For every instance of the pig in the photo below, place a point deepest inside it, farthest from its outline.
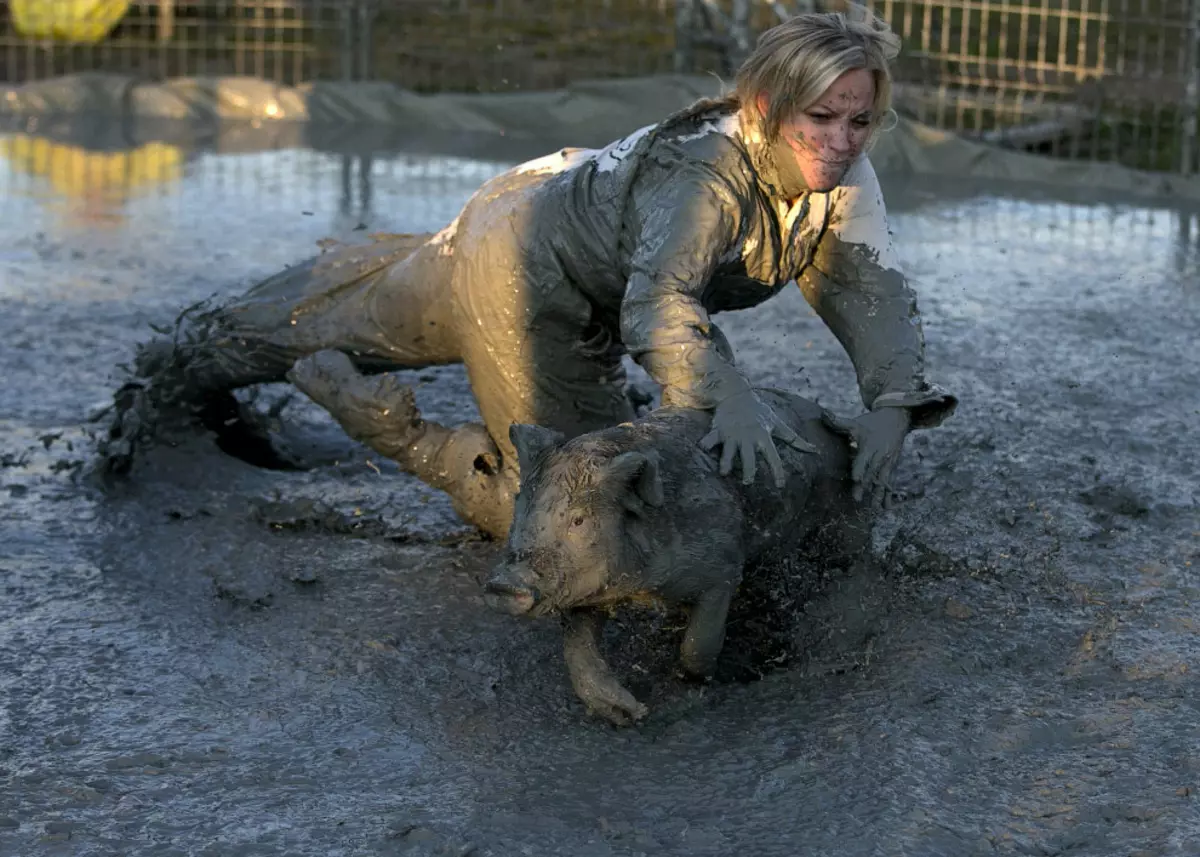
(639, 511)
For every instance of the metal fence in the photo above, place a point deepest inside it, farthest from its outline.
(1112, 80)
(1102, 79)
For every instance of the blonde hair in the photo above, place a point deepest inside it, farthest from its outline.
(796, 61)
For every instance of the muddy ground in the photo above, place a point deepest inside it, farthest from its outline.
(215, 658)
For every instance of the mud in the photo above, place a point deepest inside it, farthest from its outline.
(217, 658)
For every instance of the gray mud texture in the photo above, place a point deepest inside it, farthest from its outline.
(217, 658)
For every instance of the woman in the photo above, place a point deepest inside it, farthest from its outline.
(558, 267)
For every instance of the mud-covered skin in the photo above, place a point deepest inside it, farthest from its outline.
(382, 414)
(640, 512)
(556, 269)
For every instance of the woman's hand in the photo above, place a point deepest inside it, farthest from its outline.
(877, 438)
(744, 424)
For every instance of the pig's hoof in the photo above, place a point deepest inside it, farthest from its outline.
(625, 716)
(697, 669)
(616, 705)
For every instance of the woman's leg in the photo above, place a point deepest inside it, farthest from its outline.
(383, 304)
(534, 353)
(381, 413)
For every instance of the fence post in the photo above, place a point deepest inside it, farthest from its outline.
(1191, 98)
(739, 32)
(685, 28)
(367, 10)
(349, 56)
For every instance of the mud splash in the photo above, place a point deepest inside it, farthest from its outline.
(215, 658)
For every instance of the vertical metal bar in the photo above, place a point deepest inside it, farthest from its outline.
(1062, 65)
(986, 82)
(949, 93)
(281, 32)
(10, 71)
(1142, 21)
(1042, 56)
(1081, 56)
(1191, 98)
(1096, 108)
(260, 39)
(238, 46)
(962, 86)
(1152, 162)
(366, 46)
(685, 23)
(308, 26)
(739, 31)
(927, 13)
(166, 20)
(347, 52)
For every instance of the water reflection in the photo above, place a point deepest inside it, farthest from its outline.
(84, 179)
(356, 207)
(1152, 236)
(1187, 248)
(89, 188)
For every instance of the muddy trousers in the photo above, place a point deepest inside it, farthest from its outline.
(332, 324)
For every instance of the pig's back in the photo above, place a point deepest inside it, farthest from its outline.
(818, 486)
(769, 519)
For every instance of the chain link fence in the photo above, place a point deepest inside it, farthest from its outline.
(1109, 80)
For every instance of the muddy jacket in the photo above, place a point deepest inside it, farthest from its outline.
(683, 219)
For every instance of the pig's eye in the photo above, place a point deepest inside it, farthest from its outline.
(578, 521)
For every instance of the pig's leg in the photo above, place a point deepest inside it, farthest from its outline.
(705, 634)
(381, 413)
(591, 677)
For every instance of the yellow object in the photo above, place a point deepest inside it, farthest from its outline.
(76, 172)
(92, 187)
(78, 21)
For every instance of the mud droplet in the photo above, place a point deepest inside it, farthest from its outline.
(958, 610)
(303, 574)
(137, 760)
(61, 828)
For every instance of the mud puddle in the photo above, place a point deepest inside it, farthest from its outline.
(220, 659)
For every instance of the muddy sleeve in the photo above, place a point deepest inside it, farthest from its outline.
(856, 285)
(681, 226)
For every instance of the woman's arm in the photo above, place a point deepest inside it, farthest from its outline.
(857, 287)
(682, 225)
(681, 228)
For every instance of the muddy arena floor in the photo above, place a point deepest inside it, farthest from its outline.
(218, 658)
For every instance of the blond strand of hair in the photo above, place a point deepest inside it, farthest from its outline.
(795, 61)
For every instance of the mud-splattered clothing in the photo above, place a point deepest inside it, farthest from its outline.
(665, 228)
(551, 273)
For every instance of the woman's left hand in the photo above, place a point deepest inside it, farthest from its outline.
(877, 438)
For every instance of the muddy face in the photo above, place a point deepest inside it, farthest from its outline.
(568, 536)
(821, 142)
(558, 555)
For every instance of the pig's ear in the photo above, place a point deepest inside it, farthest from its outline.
(636, 476)
(531, 441)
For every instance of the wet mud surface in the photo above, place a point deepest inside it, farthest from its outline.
(217, 658)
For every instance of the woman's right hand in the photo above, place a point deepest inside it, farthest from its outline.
(744, 424)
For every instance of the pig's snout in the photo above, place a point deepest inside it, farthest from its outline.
(507, 596)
